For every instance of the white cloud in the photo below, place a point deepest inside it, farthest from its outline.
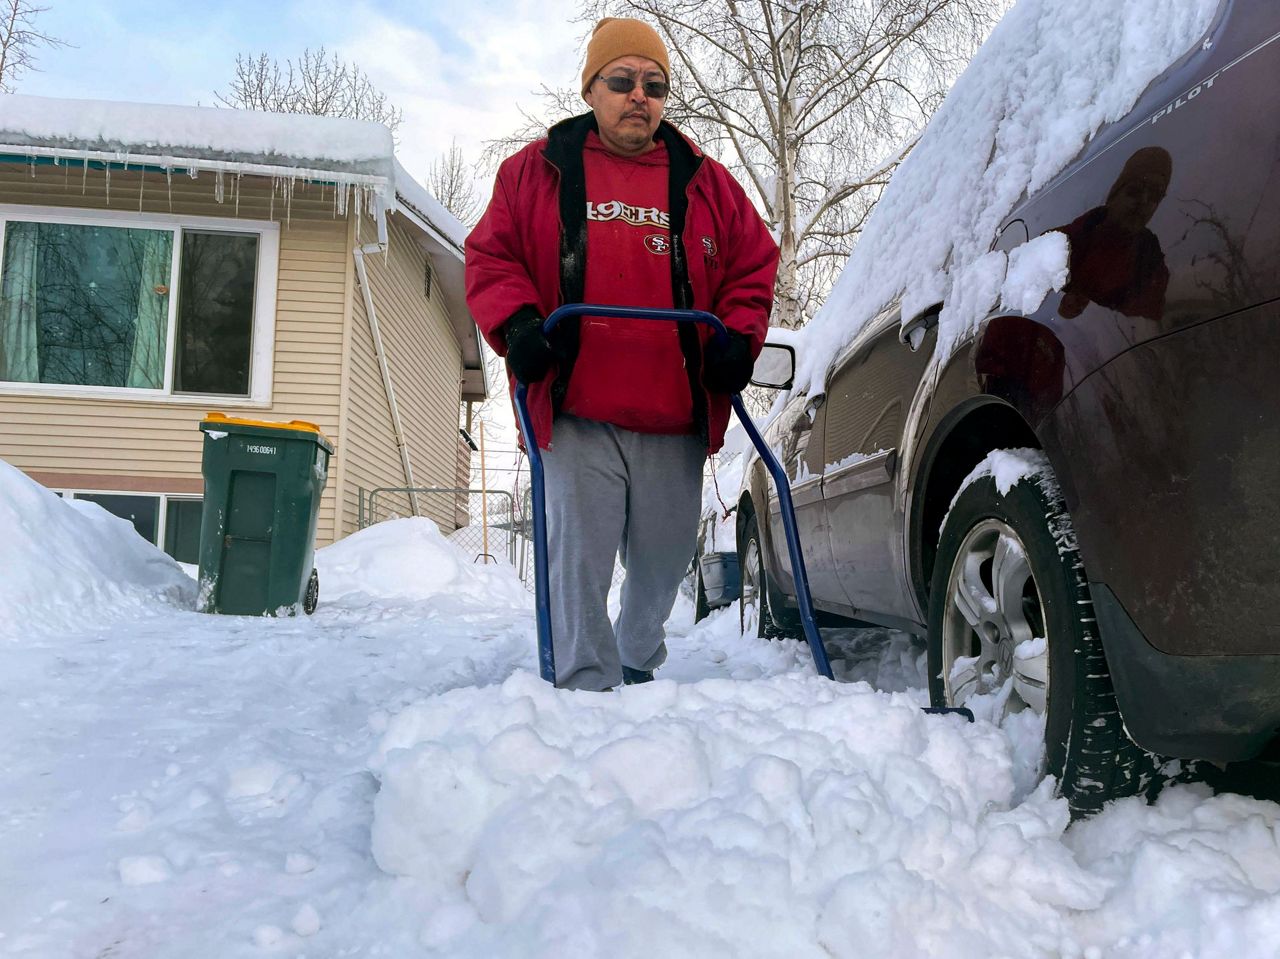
(469, 86)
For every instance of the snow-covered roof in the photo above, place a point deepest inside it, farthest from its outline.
(353, 150)
(1048, 78)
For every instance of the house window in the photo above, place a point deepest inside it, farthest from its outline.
(182, 529)
(160, 307)
(85, 305)
(215, 312)
(142, 511)
(171, 522)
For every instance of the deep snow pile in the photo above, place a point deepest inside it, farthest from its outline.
(715, 817)
(389, 778)
(1047, 79)
(103, 569)
(409, 559)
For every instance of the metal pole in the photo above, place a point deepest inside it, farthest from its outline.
(808, 617)
(484, 500)
(542, 589)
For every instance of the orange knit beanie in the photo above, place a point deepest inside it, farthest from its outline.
(622, 37)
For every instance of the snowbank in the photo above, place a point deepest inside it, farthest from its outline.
(409, 559)
(1048, 78)
(62, 561)
(707, 820)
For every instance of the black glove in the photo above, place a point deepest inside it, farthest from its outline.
(529, 354)
(727, 365)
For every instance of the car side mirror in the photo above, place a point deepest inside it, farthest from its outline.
(775, 367)
(914, 330)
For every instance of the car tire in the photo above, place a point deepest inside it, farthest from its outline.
(755, 612)
(1009, 572)
(700, 608)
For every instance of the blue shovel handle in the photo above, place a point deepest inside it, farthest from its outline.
(542, 588)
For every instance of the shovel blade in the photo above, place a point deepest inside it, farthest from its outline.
(949, 711)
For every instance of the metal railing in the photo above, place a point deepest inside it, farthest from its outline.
(485, 520)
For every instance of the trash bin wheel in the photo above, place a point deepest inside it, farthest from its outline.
(312, 597)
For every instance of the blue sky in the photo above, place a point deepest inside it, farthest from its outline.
(460, 70)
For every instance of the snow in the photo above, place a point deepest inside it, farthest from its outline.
(1048, 78)
(1007, 468)
(104, 570)
(390, 777)
(409, 191)
(1035, 268)
(250, 136)
(286, 146)
(409, 558)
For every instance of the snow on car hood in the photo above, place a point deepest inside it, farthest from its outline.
(1048, 78)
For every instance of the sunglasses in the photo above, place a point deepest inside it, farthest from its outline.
(653, 89)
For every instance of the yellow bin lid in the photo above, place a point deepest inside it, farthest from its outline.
(222, 419)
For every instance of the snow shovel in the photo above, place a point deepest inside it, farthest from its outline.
(542, 591)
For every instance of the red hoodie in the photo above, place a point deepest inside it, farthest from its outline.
(527, 253)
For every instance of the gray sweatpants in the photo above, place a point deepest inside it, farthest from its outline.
(612, 492)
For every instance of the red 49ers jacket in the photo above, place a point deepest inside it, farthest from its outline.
(527, 256)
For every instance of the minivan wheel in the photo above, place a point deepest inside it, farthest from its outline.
(754, 615)
(1010, 616)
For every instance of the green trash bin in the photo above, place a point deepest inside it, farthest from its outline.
(262, 486)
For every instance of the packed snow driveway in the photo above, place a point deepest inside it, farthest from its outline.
(390, 778)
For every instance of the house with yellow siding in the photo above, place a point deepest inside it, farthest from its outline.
(158, 263)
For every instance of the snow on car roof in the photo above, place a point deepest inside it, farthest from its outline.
(1048, 78)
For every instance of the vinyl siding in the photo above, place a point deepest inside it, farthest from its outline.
(156, 445)
(425, 364)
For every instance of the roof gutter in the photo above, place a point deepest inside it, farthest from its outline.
(379, 184)
(371, 313)
(406, 208)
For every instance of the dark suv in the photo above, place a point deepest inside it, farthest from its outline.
(1079, 508)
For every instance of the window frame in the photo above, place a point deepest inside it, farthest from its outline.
(162, 513)
(266, 290)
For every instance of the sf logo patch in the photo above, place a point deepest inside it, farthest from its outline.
(709, 245)
(658, 243)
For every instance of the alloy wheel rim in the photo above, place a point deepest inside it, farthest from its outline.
(993, 630)
(750, 608)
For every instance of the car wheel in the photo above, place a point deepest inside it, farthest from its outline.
(1011, 617)
(700, 608)
(754, 614)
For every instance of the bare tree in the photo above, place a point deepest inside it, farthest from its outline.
(558, 103)
(19, 39)
(318, 84)
(450, 180)
(811, 103)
